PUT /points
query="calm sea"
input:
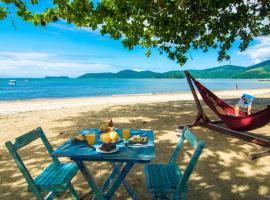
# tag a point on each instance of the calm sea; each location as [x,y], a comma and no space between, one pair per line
[64,88]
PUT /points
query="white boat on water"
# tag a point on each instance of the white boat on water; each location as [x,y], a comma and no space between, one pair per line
[12,82]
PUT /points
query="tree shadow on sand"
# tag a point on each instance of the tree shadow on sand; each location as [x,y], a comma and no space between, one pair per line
[224,170]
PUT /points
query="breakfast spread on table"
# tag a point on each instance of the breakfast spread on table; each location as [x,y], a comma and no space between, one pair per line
[109,137]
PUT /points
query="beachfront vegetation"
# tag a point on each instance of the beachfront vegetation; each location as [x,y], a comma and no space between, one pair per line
[173,26]
[258,71]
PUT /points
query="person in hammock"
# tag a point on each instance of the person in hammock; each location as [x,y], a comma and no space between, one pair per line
[244,102]
[218,108]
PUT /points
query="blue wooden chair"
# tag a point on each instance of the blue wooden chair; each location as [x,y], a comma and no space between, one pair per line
[167,181]
[55,179]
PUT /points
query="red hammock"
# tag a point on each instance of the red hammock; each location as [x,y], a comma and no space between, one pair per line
[226,113]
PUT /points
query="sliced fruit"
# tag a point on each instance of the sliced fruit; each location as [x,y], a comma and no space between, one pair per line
[114,136]
[105,137]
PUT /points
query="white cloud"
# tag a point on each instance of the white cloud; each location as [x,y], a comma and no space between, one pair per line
[40,64]
[23,55]
[259,52]
[63,27]
[70,27]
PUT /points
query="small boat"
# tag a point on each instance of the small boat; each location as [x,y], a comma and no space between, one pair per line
[12,82]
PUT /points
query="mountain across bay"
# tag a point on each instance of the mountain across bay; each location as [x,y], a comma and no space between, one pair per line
[258,71]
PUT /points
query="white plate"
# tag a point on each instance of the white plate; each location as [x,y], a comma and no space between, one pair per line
[137,144]
[112,151]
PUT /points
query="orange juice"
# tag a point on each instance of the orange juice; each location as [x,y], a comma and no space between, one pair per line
[126,134]
[91,138]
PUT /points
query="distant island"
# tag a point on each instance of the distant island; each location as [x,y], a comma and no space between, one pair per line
[65,77]
[258,71]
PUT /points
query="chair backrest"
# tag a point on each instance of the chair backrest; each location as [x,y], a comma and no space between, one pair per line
[197,145]
[21,142]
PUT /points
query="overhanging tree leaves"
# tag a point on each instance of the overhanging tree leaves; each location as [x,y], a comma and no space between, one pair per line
[172,26]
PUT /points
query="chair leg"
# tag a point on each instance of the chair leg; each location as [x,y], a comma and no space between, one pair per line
[50,196]
[73,192]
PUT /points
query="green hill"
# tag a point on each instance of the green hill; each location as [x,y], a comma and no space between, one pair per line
[258,71]
[261,71]
[99,75]
[135,74]
[261,64]
[227,71]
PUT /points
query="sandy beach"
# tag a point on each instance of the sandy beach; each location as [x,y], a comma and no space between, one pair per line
[224,170]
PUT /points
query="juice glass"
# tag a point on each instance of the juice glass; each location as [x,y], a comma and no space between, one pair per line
[91,138]
[126,134]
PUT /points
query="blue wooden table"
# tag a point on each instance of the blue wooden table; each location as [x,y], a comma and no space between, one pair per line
[121,161]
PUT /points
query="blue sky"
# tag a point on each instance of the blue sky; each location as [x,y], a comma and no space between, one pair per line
[63,49]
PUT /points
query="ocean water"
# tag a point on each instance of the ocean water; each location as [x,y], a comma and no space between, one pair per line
[65,88]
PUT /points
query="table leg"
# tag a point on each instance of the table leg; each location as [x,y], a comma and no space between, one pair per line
[90,179]
[115,171]
[119,179]
[125,183]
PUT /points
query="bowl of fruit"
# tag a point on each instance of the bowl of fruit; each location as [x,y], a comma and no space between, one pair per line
[108,133]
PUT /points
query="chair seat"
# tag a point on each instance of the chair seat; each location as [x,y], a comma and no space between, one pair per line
[162,178]
[56,177]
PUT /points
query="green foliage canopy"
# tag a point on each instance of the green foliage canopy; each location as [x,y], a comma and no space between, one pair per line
[172,26]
